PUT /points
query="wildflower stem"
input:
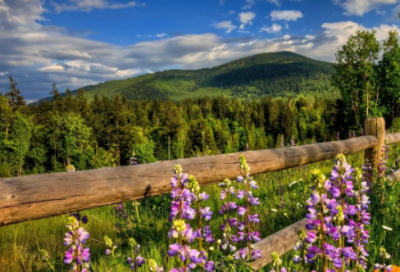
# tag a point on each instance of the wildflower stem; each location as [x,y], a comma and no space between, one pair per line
[247,215]
[342,195]
[199,225]
[77,264]
[323,237]
[357,242]
[137,213]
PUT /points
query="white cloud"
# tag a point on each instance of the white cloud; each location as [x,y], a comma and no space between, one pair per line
[338,33]
[222,2]
[360,7]
[225,25]
[272,29]
[249,4]
[246,18]
[275,2]
[380,12]
[286,26]
[89,5]
[159,35]
[286,15]
[3,73]
[394,13]
[231,12]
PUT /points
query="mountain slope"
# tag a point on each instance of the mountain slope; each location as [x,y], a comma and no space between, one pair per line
[270,73]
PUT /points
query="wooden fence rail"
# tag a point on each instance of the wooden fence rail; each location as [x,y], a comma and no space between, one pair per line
[40,196]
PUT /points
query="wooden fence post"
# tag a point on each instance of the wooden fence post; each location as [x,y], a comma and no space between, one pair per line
[375,127]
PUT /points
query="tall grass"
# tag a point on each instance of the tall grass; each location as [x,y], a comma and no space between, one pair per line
[20,244]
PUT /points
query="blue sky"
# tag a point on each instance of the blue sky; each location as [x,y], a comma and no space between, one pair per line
[75,43]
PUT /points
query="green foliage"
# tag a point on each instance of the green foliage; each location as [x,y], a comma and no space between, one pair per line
[356,77]
[389,76]
[145,152]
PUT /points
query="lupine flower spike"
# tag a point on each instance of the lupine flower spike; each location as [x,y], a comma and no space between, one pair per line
[385,256]
[77,254]
[276,263]
[185,192]
[250,219]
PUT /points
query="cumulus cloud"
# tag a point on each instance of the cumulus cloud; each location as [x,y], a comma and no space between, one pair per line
[246,18]
[360,7]
[286,15]
[227,25]
[272,29]
[89,5]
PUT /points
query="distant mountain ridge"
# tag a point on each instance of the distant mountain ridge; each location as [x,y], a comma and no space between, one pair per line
[263,74]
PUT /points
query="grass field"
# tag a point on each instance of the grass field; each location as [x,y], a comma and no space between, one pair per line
[20,244]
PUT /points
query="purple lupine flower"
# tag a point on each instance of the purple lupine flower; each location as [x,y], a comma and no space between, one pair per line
[69,256]
[245,234]
[254,218]
[186,194]
[232,205]
[232,222]
[240,226]
[206,213]
[188,213]
[241,210]
[203,196]
[253,184]
[76,238]
[255,236]
[254,200]
[241,254]
[140,261]
[240,194]
[209,266]
[207,234]
[311,237]
[256,254]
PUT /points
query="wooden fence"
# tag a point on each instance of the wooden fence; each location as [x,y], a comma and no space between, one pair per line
[40,196]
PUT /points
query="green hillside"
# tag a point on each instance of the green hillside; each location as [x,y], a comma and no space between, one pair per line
[264,74]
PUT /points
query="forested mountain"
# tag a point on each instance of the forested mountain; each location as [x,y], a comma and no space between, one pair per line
[264,74]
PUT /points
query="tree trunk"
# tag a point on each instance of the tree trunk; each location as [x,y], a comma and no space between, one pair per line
[367,102]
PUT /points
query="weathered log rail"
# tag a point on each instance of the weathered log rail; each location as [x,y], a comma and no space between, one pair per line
[40,196]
